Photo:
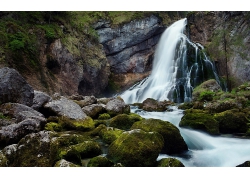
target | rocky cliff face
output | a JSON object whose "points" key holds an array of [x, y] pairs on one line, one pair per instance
{"points": [[129, 48], [226, 37]]}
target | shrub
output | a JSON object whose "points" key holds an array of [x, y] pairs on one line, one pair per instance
{"points": [[206, 96]]}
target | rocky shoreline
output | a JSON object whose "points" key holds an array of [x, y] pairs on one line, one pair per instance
{"points": [[38, 130]]}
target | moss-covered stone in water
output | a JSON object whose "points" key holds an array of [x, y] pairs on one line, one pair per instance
{"points": [[232, 121], [200, 120], [173, 141], [3, 160], [79, 124], [110, 134], [136, 148], [52, 126], [170, 162], [100, 161], [104, 116], [186, 105], [124, 121]]}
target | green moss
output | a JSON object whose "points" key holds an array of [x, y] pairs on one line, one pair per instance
{"points": [[232, 121], [108, 135], [173, 141], [206, 96], [104, 116], [52, 126], [100, 161], [124, 121], [59, 144], [79, 124], [3, 160], [200, 120], [136, 148]]}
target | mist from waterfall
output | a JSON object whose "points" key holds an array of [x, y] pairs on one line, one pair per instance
{"points": [[179, 65]]}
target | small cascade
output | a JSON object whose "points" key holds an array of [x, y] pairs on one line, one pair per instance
{"points": [[179, 65]]}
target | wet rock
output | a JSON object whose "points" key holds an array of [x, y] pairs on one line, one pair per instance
{"points": [[14, 88], [65, 107], [40, 98], [117, 106], [170, 162], [94, 110], [173, 141], [136, 148], [86, 101], [14, 132], [151, 104]]}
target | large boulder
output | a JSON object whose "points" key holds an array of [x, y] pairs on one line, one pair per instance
{"points": [[13, 133], [85, 100], [65, 107], [77, 124], [109, 134], [14, 88], [232, 121], [40, 99], [151, 104], [19, 111], [34, 150], [136, 148], [117, 106], [200, 120], [173, 141], [64, 163]]}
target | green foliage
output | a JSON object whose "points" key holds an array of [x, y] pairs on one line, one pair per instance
{"points": [[104, 116], [3, 116]]}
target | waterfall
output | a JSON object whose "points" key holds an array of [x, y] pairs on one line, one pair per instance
{"points": [[179, 65]]}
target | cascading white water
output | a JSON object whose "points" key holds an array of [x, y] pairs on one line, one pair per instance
{"points": [[174, 73]]}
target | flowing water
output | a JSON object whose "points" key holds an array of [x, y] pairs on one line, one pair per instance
{"points": [[180, 65], [203, 150]]}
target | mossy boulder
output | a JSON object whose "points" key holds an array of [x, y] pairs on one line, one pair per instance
{"points": [[10, 152], [169, 162], [200, 120], [61, 142], [85, 124], [186, 105], [136, 148], [124, 121], [34, 150], [64, 163], [100, 161], [75, 153], [206, 90], [220, 106], [173, 141], [232, 121], [52, 126], [110, 134]]}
